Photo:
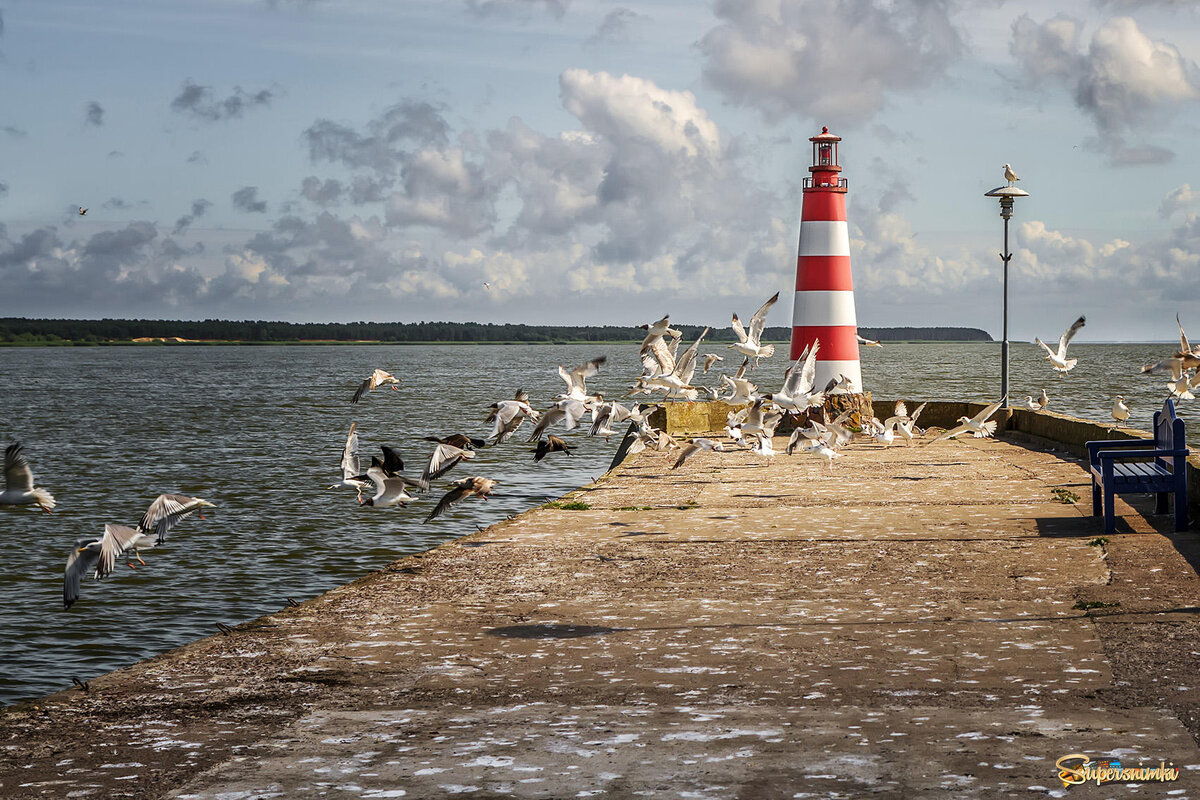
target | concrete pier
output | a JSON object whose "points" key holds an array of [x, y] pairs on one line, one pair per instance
{"points": [[934, 622]]}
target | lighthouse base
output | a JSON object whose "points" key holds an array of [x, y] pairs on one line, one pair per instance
{"points": [[858, 404]]}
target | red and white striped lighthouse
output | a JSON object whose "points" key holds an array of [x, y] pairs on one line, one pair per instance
{"points": [[824, 307]]}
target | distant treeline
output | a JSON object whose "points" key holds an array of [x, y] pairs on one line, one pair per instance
{"points": [[15, 330]]}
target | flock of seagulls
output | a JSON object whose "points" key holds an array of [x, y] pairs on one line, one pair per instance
{"points": [[96, 554], [99, 554], [666, 371]]}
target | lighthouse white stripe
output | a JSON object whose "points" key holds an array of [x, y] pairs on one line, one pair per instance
{"points": [[821, 238], [824, 308], [828, 370]]}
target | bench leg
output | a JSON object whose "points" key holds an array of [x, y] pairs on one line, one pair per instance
{"points": [[1095, 499], [1181, 514], [1160, 502], [1110, 510]]}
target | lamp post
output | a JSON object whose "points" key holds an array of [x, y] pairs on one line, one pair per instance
{"points": [[1006, 194]]}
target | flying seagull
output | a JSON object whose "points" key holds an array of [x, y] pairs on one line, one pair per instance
{"points": [[378, 378], [388, 491], [167, 511], [979, 425], [444, 458], [1062, 365], [82, 211], [551, 444], [98, 554], [695, 447], [865, 342], [350, 464], [507, 416], [461, 490], [18, 482], [459, 440], [749, 342]]}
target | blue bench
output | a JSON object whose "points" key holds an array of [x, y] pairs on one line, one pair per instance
{"points": [[1144, 466]]}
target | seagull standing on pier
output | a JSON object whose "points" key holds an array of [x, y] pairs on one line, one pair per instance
{"points": [[1062, 365], [1120, 411]]}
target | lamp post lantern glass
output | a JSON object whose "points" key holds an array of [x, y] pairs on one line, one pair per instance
{"points": [[1007, 195]]}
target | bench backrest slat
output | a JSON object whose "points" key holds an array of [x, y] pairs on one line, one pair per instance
{"points": [[1168, 432]]}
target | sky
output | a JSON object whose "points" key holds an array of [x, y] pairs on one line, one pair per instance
{"points": [[597, 161]]}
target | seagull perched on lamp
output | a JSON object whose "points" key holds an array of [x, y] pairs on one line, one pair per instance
{"points": [[1010, 175]]}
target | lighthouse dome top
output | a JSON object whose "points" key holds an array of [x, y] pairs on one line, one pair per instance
{"points": [[825, 136]]}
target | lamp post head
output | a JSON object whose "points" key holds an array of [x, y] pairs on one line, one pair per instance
{"points": [[1006, 194]]}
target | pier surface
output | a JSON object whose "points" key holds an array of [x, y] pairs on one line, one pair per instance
{"points": [[927, 622]]}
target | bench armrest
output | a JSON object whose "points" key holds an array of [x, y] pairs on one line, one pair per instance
{"points": [[1104, 455]]}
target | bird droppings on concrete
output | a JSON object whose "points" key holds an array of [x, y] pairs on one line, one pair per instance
{"points": [[907, 627]]}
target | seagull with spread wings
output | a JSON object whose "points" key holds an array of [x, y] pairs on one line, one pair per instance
{"points": [[979, 426], [551, 444], [507, 415], [18, 482], [665, 371], [377, 378], [98, 554], [444, 458], [577, 379], [797, 393], [1062, 365], [474, 486], [351, 477], [388, 491], [750, 341], [695, 446]]}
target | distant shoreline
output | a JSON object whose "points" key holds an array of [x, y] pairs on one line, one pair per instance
{"points": [[16, 331]]}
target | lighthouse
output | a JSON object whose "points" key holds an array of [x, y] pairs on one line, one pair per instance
{"points": [[824, 306]]}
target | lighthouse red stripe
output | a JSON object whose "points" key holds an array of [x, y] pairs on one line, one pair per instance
{"points": [[838, 342], [823, 274], [829, 206]]}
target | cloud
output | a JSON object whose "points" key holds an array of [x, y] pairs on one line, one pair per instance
{"points": [[382, 147], [14, 132], [324, 193], [199, 209], [3, 189], [246, 199], [94, 114], [128, 268], [1126, 81], [116, 203], [197, 158], [615, 26], [1178, 200], [200, 102], [520, 9], [838, 61]]}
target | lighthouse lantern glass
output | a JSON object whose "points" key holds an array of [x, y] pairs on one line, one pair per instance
{"points": [[824, 154]]}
